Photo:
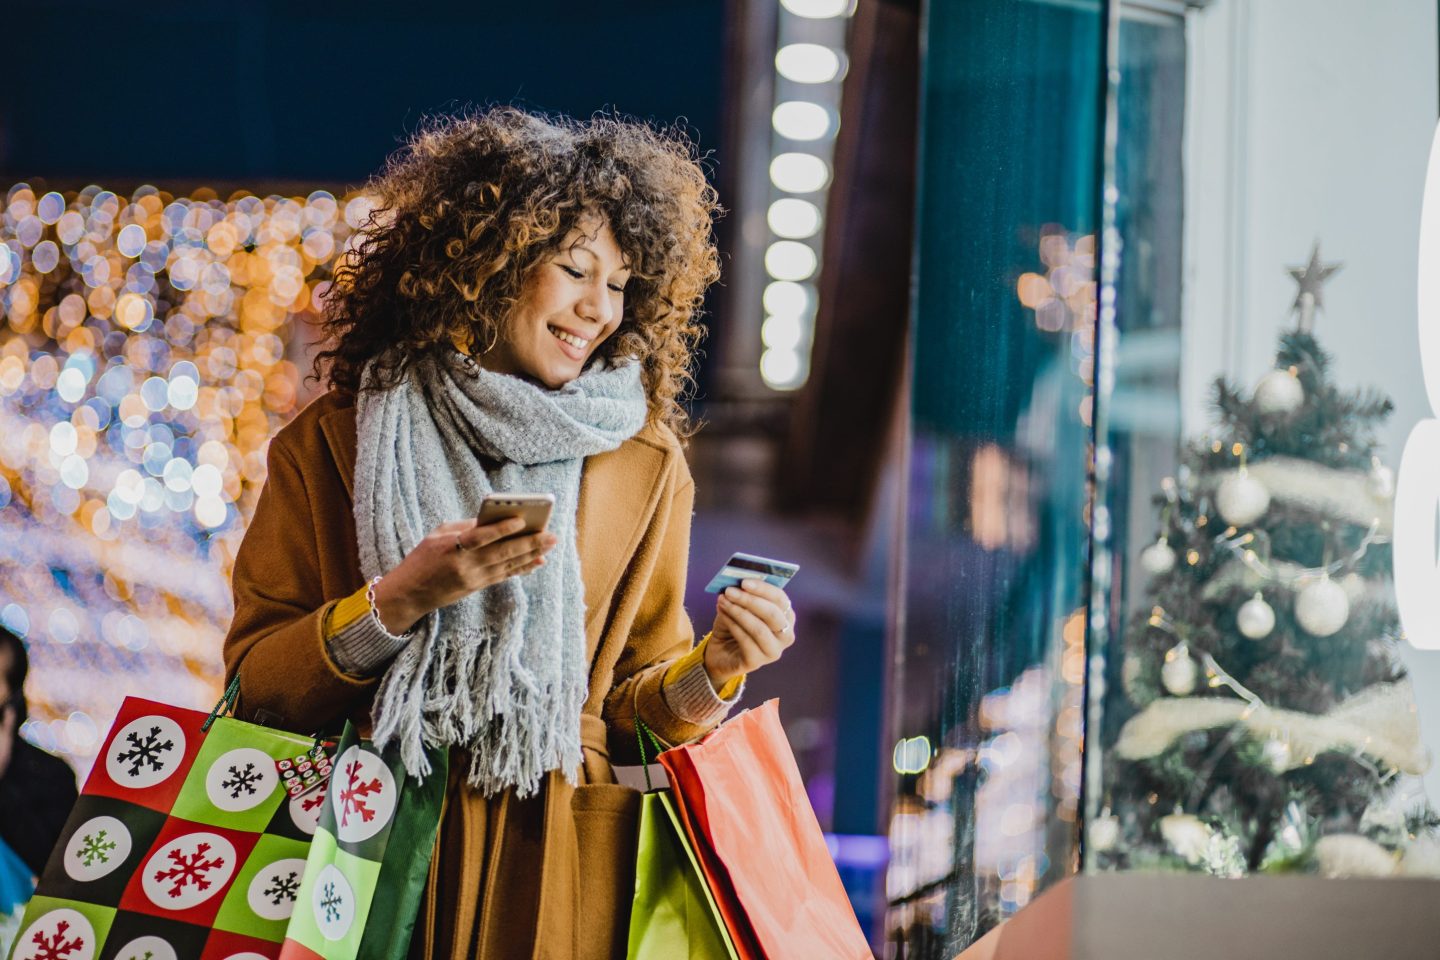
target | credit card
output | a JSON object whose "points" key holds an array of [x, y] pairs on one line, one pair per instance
{"points": [[745, 566]]}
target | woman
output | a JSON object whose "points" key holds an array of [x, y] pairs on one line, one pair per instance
{"points": [[519, 317]]}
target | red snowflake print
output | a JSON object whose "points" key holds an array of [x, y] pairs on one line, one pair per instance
{"points": [[56, 947], [189, 869], [310, 803], [354, 793]]}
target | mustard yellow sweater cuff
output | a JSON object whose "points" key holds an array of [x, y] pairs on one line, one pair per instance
{"points": [[690, 694], [358, 643]]}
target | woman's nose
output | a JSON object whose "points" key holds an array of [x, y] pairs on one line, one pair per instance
{"points": [[596, 307]]}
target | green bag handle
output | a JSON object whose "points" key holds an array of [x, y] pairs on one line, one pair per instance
{"points": [[226, 704], [643, 732], [226, 707]]}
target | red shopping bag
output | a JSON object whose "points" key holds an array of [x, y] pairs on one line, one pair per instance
{"points": [[748, 816]]}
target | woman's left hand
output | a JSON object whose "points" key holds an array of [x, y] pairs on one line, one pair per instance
{"points": [[754, 624]]}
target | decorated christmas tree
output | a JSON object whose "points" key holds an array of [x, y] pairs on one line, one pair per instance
{"points": [[1269, 725]]}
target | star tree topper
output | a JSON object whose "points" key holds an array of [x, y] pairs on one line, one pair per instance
{"points": [[1311, 279]]}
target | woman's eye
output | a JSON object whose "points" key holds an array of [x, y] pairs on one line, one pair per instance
{"points": [[619, 289], [572, 271]]}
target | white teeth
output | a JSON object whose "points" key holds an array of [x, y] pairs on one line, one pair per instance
{"points": [[574, 341]]}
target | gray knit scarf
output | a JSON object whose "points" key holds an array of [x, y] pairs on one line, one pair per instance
{"points": [[501, 672]]}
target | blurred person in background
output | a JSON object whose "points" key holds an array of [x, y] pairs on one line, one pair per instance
{"points": [[519, 317], [37, 790]]}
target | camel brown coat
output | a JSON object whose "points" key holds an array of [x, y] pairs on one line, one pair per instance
{"points": [[549, 877]]}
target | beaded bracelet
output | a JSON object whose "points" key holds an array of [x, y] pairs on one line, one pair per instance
{"points": [[375, 612]]}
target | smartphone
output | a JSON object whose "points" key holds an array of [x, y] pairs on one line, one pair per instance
{"points": [[533, 508], [746, 566]]}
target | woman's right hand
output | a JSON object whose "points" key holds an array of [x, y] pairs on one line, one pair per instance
{"points": [[453, 561]]}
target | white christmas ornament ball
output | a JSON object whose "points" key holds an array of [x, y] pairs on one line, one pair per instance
{"points": [[1322, 608], [1279, 392], [1178, 674], [1255, 618], [1278, 755], [1382, 482], [1242, 499], [1158, 558], [1186, 835], [1104, 832]]}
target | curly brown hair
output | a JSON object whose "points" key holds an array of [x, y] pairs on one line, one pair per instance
{"points": [[472, 203]]}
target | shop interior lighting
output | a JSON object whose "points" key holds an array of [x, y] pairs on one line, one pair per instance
{"points": [[819, 9], [801, 120], [799, 172], [793, 218], [787, 297], [791, 260], [808, 63], [780, 366], [781, 332]]}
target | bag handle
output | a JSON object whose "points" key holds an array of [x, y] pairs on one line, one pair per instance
{"points": [[643, 732], [226, 707], [226, 704]]}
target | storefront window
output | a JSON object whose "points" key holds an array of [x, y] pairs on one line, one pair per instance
{"points": [[1253, 701], [1170, 453]]}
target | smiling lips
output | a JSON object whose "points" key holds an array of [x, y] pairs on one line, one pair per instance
{"points": [[573, 346]]}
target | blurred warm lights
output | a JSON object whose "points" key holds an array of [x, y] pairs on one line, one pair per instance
{"points": [[145, 360]]}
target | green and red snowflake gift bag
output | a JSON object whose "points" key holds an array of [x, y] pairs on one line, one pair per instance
{"points": [[183, 844], [376, 834]]}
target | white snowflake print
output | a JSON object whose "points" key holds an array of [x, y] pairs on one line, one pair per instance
{"points": [[332, 903], [96, 848], [145, 751], [273, 891], [189, 870], [62, 934], [363, 793], [241, 779]]}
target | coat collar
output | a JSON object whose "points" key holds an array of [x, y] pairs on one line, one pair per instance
{"points": [[619, 492]]}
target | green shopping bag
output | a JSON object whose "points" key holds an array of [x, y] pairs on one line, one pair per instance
{"points": [[673, 915], [368, 862]]}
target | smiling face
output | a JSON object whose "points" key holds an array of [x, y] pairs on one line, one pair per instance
{"points": [[571, 302]]}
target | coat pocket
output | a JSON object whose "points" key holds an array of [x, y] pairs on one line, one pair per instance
{"points": [[607, 816]]}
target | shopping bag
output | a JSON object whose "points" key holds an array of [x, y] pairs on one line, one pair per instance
{"points": [[673, 915], [16, 886], [182, 844], [745, 810], [368, 863]]}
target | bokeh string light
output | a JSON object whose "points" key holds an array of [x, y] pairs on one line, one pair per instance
{"points": [[150, 347]]}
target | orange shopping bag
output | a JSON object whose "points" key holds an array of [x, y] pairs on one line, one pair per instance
{"points": [[746, 812]]}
